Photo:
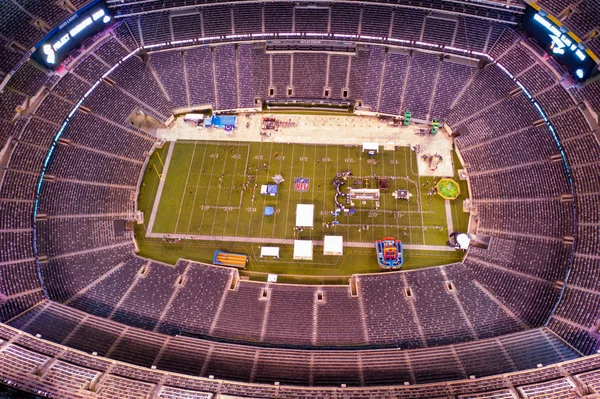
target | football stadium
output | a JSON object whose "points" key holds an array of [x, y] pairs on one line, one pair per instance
{"points": [[300, 199]]}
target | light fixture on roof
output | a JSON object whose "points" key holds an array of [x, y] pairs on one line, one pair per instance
{"points": [[579, 73], [49, 51]]}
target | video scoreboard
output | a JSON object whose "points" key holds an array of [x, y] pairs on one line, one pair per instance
{"points": [[559, 42], [57, 45]]}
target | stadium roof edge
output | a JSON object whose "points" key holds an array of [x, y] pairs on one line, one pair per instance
{"points": [[511, 10]]}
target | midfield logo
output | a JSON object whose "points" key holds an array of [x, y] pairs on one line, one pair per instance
{"points": [[301, 184]]}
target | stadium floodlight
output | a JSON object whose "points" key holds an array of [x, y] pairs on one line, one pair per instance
{"points": [[50, 55]]}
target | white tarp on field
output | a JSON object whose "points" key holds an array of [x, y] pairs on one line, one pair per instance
{"points": [[269, 251], [371, 147], [303, 249], [305, 215], [333, 245]]}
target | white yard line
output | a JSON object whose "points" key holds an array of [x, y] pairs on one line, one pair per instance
{"points": [[396, 217], [244, 176], [221, 182], [383, 198], [264, 197], [276, 206], [161, 185], [325, 190], [185, 187], [419, 198], [254, 191], [285, 231], [313, 180], [208, 189], [232, 187], [196, 191], [409, 222]]}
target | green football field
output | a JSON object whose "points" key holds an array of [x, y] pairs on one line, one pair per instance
{"points": [[212, 189]]}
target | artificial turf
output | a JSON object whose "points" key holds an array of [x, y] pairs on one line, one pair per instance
{"points": [[208, 191]]}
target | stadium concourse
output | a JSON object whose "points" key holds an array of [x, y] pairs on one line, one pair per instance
{"points": [[84, 317]]}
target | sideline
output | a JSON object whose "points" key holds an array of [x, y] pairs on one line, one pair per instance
{"points": [[161, 185], [289, 241]]}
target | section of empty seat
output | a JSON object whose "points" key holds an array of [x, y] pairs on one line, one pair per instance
{"points": [[376, 21], [187, 25], [226, 76], [89, 68], [344, 19], [310, 71], [90, 131], [260, 68], [78, 163], [285, 366], [471, 33], [78, 234], [137, 78], [247, 18], [243, 312], [534, 347], [199, 73], [338, 71], [57, 199], [50, 321], [372, 79], [278, 17], [312, 20], [486, 316], [439, 29], [281, 73], [246, 76], [184, 355], [67, 275], [147, 297], [54, 109], [453, 76], [436, 305], [530, 299], [216, 20], [358, 72], [169, 68], [388, 311], [408, 23], [102, 297], [291, 315], [196, 302], [421, 82], [137, 347], [339, 318], [491, 153], [491, 84], [154, 28], [111, 51], [394, 80], [248, 363]]}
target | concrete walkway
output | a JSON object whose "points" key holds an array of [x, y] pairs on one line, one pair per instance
{"points": [[449, 216], [289, 241], [326, 129]]}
